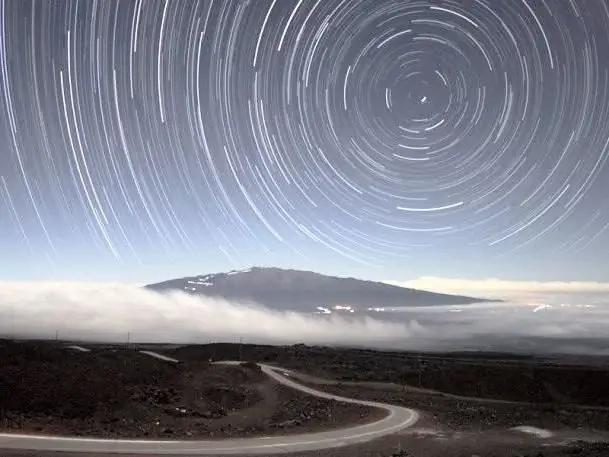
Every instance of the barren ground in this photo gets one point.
(46, 388)
(469, 402)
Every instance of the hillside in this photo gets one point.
(306, 291)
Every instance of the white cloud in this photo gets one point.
(499, 288)
(94, 312)
(112, 311)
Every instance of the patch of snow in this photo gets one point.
(235, 272)
(201, 282)
(540, 307)
(322, 310)
(79, 348)
(162, 357)
(539, 432)
(425, 432)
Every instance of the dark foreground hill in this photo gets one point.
(46, 387)
(475, 398)
(306, 291)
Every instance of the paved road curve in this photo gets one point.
(398, 418)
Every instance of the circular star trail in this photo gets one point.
(370, 130)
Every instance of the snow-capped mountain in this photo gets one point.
(307, 291)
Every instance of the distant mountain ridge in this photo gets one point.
(307, 291)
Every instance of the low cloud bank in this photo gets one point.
(117, 313)
(565, 328)
(512, 290)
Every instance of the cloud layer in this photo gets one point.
(513, 290)
(118, 312)
(89, 312)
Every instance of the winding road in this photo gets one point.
(398, 418)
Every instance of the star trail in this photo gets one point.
(368, 134)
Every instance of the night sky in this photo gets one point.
(387, 139)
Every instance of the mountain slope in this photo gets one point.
(306, 291)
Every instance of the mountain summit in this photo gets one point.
(306, 291)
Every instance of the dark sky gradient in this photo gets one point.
(143, 140)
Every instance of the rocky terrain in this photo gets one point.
(118, 392)
(506, 377)
(579, 449)
(470, 400)
(470, 403)
(491, 376)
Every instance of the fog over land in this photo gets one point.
(113, 312)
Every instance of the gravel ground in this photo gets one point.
(512, 391)
(124, 394)
(420, 448)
